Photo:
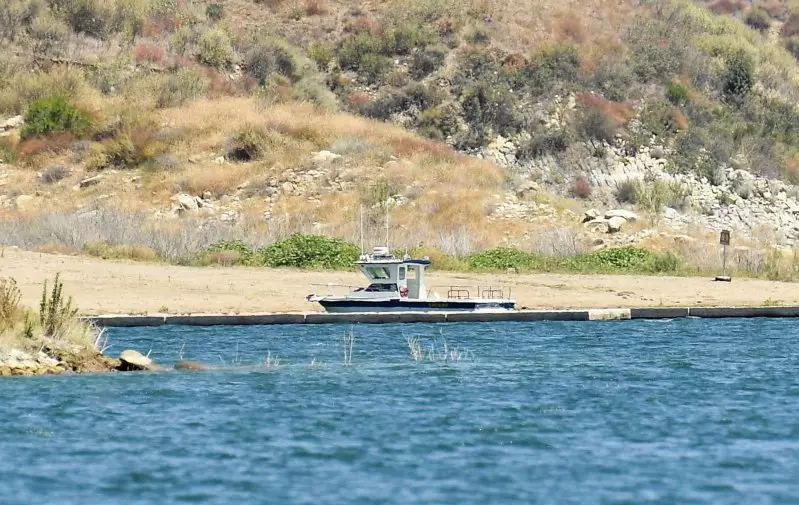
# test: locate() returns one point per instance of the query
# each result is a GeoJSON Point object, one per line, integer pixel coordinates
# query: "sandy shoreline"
{"type": "Point", "coordinates": [110, 287]}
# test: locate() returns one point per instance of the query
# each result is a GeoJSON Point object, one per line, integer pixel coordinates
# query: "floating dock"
{"type": "Point", "coordinates": [123, 320]}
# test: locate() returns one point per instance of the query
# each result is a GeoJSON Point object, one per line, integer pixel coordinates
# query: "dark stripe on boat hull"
{"type": "Point", "coordinates": [418, 306]}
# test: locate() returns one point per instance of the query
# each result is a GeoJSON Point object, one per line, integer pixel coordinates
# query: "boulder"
{"type": "Point", "coordinates": [526, 188]}
{"type": "Point", "coordinates": [590, 215]}
{"type": "Point", "coordinates": [325, 157]}
{"type": "Point", "coordinates": [189, 365]}
{"type": "Point", "coordinates": [187, 202]}
{"type": "Point", "coordinates": [615, 224]}
{"type": "Point", "coordinates": [597, 225]}
{"type": "Point", "coordinates": [133, 360]}
{"type": "Point", "coordinates": [13, 122]}
{"type": "Point", "coordinates": [23, 201]}
{"type": "Point", "coordinates": [91, 181]}
{"type": "Point", "coordinates": [627, 215]}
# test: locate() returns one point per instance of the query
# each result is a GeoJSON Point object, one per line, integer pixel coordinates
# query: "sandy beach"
{"type": "Point", "coordinates": [110, 287]}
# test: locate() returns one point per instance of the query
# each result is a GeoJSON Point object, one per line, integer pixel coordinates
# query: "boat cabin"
{"type": "Point", "coordinates": [388, 274]}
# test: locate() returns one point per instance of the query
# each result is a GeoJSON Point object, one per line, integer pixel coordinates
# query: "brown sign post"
{"type": "Point", "coordinates": [724, 240]}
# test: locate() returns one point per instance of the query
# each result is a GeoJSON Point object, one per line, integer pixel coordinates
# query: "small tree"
{"type": "Point", "coordinates": [55, 312]}
{"type": "Point", "coordinates": [739, 77]}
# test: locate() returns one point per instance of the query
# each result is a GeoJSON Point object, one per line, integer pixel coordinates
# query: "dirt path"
{"type": "Point", "coordinates": [100, 286]}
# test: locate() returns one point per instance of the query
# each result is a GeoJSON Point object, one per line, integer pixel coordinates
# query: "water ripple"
{"type": "Point", "coordinates": [683, 411]}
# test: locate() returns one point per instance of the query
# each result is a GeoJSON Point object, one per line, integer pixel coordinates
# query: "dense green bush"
{"type": "Point", "coordinates": [215, 48]}
{"type": "Point", "coordinates": [55, 114]}
{"type": "Point", "coordinates": [613, 259]}
{"type": "Point", "coordinates": [309, 251]}
{"type": "Point", "coordinates": [738, 78]}
{"type": "Point", "coordinates": [504, 258]}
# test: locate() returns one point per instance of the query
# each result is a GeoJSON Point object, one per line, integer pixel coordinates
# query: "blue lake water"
{"type": "Point", "coordinates": [674, 412]}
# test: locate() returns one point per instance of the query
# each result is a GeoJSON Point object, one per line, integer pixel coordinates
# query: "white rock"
{"type": "Point", "coordinates": [23, 201]}
{"type": "Point", "coordinates": [90, 181]}
{"type": "Point", "coordinates": [13, 122]}
{"type": "Point", "coordinates": [135, 360]}
{"type": "Point", "coordinates": [615, 224]}
{"type": "Point", "coordinates": [325, 157]}
{"type": "Point", "coordinates": [590, 215]}
{"type": "Point", "coordinates": [627, 215]}
{"type": "Point", "coordinates": [597, 226]}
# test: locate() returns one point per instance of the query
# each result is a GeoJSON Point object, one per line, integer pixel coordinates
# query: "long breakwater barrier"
{"type": "Point", "coordinates": [133, 320]}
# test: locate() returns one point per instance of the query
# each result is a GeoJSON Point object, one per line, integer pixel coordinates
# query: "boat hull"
{"type": "Point", "coordinates": [417, 305]}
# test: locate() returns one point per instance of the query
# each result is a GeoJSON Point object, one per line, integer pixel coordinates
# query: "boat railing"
{"type": "Point", "coordinates": [465, 292]}
{"type": "Point", "coordinates": [331, 285]}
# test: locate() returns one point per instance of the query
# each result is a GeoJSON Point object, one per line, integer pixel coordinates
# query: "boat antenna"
{"type": "Point", "coordinates": [387, 218]}
{"type": "Point", "coordinates": [361, 230]}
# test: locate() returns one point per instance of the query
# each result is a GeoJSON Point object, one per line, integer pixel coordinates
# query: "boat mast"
{"type": "Point", "coordinates": [387, 217]}
{"type": "Point", "coordinates": [361, 229]}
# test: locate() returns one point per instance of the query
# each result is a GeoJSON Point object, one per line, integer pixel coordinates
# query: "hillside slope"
{"type": "Point", "coordinates": [256, 119]}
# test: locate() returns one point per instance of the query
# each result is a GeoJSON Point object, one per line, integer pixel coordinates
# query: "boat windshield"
{"type": "Point", "coordinates": [382, 288]}
{"type": "Point", "coordinates": [378, 272]}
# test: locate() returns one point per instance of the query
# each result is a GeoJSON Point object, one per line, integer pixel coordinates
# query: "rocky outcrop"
{"type": "Point", "coordinates": [54, 361]}
{"type": "Point", "coordinates": [131, 360]}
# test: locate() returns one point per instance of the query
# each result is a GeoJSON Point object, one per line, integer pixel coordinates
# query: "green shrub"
{"type": "Point", "coordinates": [395, 101]}
{"type": "Point", "coordinates": [55, 114]}
{"type": "Point", "coordinates": [609, 260]}
{"type": "Point", "coordinates": [8, 153]}
{"type": "Point", "coordinates": [55, 311]}
{"type": "Point", "coordinates": [504, 258]}
{"type": "Point", "coordinates": [426, 61]}
{"type": "Point", "coordinates": [490, 104]}
{"type": "Point", "coordinates": [593, 124]}
{"type": "Point", "coordinates": [738, 78]}
{"type": "Point", "coordinates": [758, 19]}
{"type": "Point", "coordinates": [9, 303]}
{"type": "Point", "coordinates": [657, 51]}
{"type": "Point", "coordinates": [215, 48]}
{"type": "Point", "coordinates": [550, 66]}
{"type": "Point", "coordinates": [262, 60]}
{"type": "Point", "coordinates": [438, 122]}
{"type": "Point", "coordinates": [662, 262]}
{"type": "Point", "coordinates": [310, 251]}
{"type": "Point", "coordinates": [322, 54]}
{"type": "Point", "coordinates": [47, 32]}
{"type": "Point", "coordinates": [181, 87]}
{"type": "Point", "coordinates": [545, 144]}
{"type": "Point", "coordinates": [250, 143]}
{"type": "Point", "coordinates": [182, 39]}
{"type": "Point", "coordinates": [677, 94]}
{"type": "Point", "coordinates": [792, 45]}
{"type": "Point", "coordinates": [215, 12]}
{"type": "Point", "coordinates": [625, 191]}
{"type": "Point", "coordinates": [312, 89]}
